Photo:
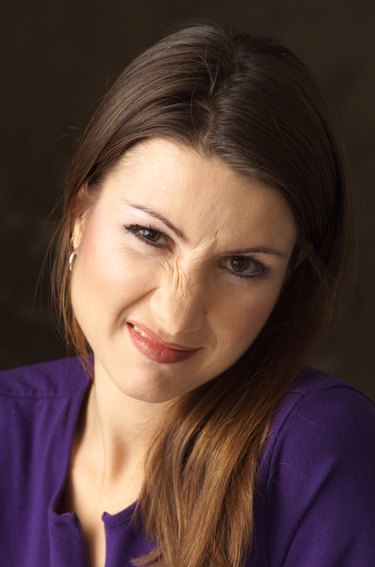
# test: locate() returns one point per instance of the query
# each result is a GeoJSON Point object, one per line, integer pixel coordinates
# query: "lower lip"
{"type": "Point", "coordinates": [158, 352]}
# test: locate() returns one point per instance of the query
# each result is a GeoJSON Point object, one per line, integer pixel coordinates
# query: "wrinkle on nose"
{"type": "Point", "coordinates": [181, 285]}
{"type": "Point", "coordinates": [179, 301]}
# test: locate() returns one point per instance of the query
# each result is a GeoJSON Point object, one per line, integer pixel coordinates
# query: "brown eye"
{"type": "Point", "coordinates": [244, 267]}
{"type": "Point", "coordinates": [150, 234]}
{"type": "Point", "coordinates": [147, 234]}
{"type": "Point", "coordinates": [241, 264]}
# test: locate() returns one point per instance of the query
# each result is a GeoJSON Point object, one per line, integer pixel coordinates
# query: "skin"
{"type": "Point", "coordinates": [184, 287]}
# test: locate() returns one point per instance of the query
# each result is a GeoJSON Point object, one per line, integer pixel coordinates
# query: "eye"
{"type": "Point", "coordinates": [244, 267]}
{"type": "Point", "coordinates": [147, 234]}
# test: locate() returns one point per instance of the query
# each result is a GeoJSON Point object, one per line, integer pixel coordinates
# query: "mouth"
{"type": "Point", "coordinates": [154, 348]}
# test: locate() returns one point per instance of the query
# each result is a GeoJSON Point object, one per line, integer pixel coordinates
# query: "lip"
{"type": "Point", "coordinates": [154, 348]}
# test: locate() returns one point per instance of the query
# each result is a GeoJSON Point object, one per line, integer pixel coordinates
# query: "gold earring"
{"type": "Point", "coordinates": [72, 256]}
{"type": "Point", "coordinates": [71, 260]}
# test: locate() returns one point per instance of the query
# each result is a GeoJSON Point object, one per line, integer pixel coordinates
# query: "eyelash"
{"type": "Point", "coordinates": [261, 269]}
{"type": "Point", "coordinates": [137, 229]}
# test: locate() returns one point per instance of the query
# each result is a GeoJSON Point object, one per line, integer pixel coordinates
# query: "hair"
{"type": "Point", "coordinates": [252, 103]}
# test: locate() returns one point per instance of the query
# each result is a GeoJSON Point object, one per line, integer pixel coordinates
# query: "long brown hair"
{"type": "Point", "coordinates": [252, 103]}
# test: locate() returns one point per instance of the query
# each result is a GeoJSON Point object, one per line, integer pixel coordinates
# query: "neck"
{"type": "Point", "coordinates": [117, 430]}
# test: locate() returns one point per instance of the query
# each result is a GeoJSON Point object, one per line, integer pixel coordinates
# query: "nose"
{"type": "Point", "coordinates": [178, 304]}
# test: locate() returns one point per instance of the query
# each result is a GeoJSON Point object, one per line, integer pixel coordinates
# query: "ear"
{"type": "Point", "coordinates": [78, 228]}
{"type": "Point", "coordinates": [300, 257]}
{"type": "Point", "coordinates": [79, 213]}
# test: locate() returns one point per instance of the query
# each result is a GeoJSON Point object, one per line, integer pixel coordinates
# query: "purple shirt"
{"type": "Point", "coordinates": [315, 498]}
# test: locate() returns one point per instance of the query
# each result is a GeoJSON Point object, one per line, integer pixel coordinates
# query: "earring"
{"type": "Point", "coordinates": [71, 260]}
{"type": "Point", "coordinates": [72, 256]}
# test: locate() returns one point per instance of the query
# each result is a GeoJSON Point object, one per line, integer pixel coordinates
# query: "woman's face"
{"type": "Point", "coordinates": [179, 265]}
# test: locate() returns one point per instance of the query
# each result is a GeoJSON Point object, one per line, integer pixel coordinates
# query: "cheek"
{"type": "Point", "coordinates": [242, 319]}
{"type": "Point", "coordinates": [107, 277]}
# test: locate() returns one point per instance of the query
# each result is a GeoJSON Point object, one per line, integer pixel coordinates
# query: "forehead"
{"type": "Point", "coordinates": [196, 190]}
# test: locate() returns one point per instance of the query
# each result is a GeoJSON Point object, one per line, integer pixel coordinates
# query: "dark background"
{"type": "Point", "coordinates": [58, 59]}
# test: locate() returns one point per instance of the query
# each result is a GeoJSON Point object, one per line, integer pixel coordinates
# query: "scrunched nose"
{"type": "Point", "coordinates": [178, 303]}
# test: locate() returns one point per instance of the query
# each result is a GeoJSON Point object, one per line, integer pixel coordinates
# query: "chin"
{"type": "Point", "coordinates": [149, 389]}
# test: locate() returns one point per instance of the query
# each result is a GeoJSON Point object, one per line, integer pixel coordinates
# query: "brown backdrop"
{"type": "Point", "coordinates": [58, 59]}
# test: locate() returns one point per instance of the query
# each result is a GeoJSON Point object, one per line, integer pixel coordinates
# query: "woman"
{"type": "Point", "coordinates": [202, 249]}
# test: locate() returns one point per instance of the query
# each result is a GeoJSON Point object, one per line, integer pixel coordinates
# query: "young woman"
{"type": "Point", "coordinates": [202, 250]}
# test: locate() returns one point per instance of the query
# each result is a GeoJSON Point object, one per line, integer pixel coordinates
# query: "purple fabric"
{"type": "Point", "coordinates": [315, 499]}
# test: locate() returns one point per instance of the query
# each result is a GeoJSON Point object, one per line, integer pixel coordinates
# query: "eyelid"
{"type": "Point", "coordinates": [135, 229]}
{"type": "Point", "coordinates": [262, 269]}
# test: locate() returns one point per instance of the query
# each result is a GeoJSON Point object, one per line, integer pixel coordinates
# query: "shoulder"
{"type": "Point", "coordinates": [57, 378]}
{"type": "Point", "coordinates": [326, 411]}
{"type": "Point", "coordinates": [36, 399]}
{"type": "Point", "coordinates": [40, 406]}
{"type": "Point", "coordinates": [321, 421]}
{"type": "Point", "coordinates": [318, 475]}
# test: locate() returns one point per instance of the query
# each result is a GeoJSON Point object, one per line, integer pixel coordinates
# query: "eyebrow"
{"type": "Point", "coordinates": [158, 216]}
{"type": "Point", "coordinates": [180, 234]}
{"type": "Point", "coordinates": [257, 249]}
